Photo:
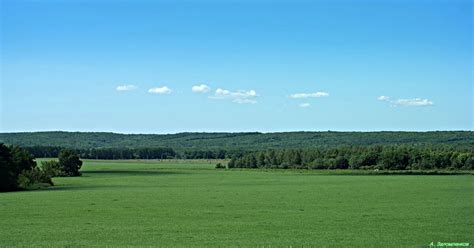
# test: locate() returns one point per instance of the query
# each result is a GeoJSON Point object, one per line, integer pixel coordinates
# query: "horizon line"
{"type": "Point", "coordinates": [238, 132]}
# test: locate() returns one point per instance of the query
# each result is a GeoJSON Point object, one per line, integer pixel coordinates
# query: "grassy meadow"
{"type": "Point", "coordinates": [189, 203]}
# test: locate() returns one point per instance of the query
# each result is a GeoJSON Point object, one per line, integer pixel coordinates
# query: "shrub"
{"type": "Point", "coordinates": [231, 163]}
{"type": "Point", "coordinates": [33, 177]}
{"type": "Point", "coordinates": [318, 164]}
{"type": "Point", "coordinates": [52, 168]}
{"type": "Point", "coordinates": [220, 166]}
{"type": "Point", "coordinates": [284, 165]}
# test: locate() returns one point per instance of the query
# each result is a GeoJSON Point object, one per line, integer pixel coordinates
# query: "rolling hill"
{"type": "Point", "coordinates": [245, 141]}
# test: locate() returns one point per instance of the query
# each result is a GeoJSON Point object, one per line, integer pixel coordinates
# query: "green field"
{"type": "Point", "coordinates": [176, 203]}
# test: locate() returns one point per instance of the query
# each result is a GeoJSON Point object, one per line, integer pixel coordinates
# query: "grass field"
{"type": "Point", "coordinates": [175, 203]}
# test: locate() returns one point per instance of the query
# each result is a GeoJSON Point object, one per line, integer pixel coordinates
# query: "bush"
{"type": "Point", "coordinates": [318, 164]}
{"type": "Point", "coordinates": [284, 165]}
{"type": "Point", "coordinates": [52, 168]}
{"type": "Point", "coordinates": [231, 163]}
{"type": "Point", "coordinates": [35, 176]}
{"type": "Point", "coordinates": [220, 166]}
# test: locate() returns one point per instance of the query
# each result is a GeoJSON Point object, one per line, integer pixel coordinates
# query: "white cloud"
{"type": "Point", "coordinates": [305, 105]}
{"type": "Point", "coordinates": [240, 96]}
{"type": "Point", "coordinates": [128, 87]}
{"type": "Point", "coordinates": [417, 102]}
{"type": "Point", "coordinates": [307, 95]}
{"type": "Point", "coordinates": [200, 88]}
{"type": "Point", "coordinates": [160, 90]}
{"type": "Point", "coordinates": [221, 93]}
{"type": "Point", "coordinates": [412, 102]}
{"type": "Point", "coordinates": [243, 101]}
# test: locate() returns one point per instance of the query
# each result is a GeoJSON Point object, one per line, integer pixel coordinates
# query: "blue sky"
{"type": "Point", "coordinates": [130, 66]}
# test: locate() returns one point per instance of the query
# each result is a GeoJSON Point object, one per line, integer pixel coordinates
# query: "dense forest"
{"type": "Point", "coordinates": [311, 150]}
{"type": "Point", "coordinates": [389, 157]}
{"type": "Point", "coordinates": [198, 142]}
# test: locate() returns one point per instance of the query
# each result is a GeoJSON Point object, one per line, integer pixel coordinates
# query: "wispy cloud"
{"type": "Point", "coordinates": [128, 87]}
{"type": "Point", "coordinates": [244, 101]}
{"type": "Point", "coordinates": [411, 102]}
{"type": "Point", "coordinates": [305, 105]}
{"type": "Point", "coordinates": [160, 90]}
{"type": "Point", "coordinates": [308, 95]}
{"type": "Point", "coordinates": [240, 96]}
{"type": "Point", "coordinates": [200, 88]}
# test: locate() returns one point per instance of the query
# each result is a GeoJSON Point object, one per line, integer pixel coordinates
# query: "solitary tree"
{"type": "Point", "coordinates": [69, 163]}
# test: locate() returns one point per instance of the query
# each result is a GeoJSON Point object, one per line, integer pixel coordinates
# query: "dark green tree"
{"type": "Point", "coordinates": [7, 170]}
{"type": "Point", "coordinates": [22, 160]}
{"type": "Point", "coordinates": [69, 163]}
{"type": "Point", "coordinates": [260, 160]}
{"type": "Point", "coordinates": [18, 169]}
{"type": "Point", "coordinates": [469, 163]}
{"type": "Point", "coordinates": [342, 162]}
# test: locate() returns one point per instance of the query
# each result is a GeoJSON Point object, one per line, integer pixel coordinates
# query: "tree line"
{"type": "Point", "coordinates": [105, 153]}
{"type": "Point", "coordinates": [135, 153]}
{"type": "Point", "coordinates": [19, 170]}
{"type": "Point", "coordinates": [392, 157]}
{"type": "Point", "coordinates": [396, 157]}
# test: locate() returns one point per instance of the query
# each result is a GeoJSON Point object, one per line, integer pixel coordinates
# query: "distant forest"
{"type": "Point", "coordinates": [226, 141]}
{"type": "Point", "coordinates": [244, 146]}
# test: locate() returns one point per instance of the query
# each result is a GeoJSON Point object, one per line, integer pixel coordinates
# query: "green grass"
{"type": "Point", "coordinates": [176, 203]}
